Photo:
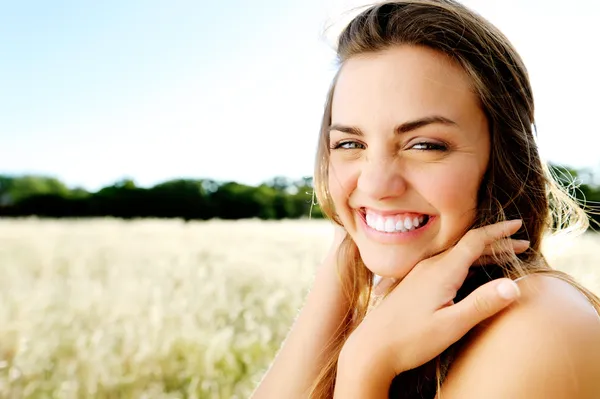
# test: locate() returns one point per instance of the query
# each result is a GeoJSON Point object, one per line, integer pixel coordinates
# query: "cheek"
{"type": "Point", "coordinates": [452, 191]}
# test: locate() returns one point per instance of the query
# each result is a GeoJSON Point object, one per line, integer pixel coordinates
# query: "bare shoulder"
{"type": "Point", "coordinates": [547, 345]}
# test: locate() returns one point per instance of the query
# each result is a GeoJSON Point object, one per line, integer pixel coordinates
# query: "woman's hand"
{"type": "Point", "coordinates": [418, 319]}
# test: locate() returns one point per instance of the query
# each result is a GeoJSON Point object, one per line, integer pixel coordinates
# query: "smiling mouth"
{"type": "Point", "coordinates": [394, 224]}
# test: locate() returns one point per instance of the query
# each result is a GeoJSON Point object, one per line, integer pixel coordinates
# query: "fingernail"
{"type": "Point", "coordinates": [508, 290]}
{"type": "Point", "coordinates": [524, 242]}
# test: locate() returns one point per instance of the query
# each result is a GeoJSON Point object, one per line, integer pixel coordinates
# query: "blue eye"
{"type": "Point", "coordinates": [346, 145]}
{"type": "Point", "coordinates": [429, 147]}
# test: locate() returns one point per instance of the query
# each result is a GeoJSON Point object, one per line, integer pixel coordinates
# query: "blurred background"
{"type": "Point", "coordinates": [156, 178]}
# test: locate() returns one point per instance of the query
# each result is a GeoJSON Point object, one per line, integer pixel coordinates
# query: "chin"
{"type": "Point", "coordinates": [389, 262]}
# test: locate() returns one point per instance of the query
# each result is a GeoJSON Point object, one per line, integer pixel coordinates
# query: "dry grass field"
{"type": "Point", "coordinates": [164, 309]}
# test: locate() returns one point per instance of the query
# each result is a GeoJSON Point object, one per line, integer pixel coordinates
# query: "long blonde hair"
{"type": "Point", "coordinates": [517, 184]}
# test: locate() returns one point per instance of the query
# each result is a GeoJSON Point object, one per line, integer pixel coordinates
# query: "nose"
{"type": "Point", "coordinates": [381, 178]}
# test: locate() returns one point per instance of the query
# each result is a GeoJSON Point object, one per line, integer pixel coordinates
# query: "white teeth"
{"type": "Point", "coordinates": [390, 226]}
{"type": "Point", "coordinates": [393, 223]}
{"type": "Point", "coordinates": [380, 224]}
{"type": "Point", "coordinates": [400, 226]}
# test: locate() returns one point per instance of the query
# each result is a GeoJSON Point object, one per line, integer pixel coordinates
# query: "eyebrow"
{"type": "Point", "coordinates": [403, 128]}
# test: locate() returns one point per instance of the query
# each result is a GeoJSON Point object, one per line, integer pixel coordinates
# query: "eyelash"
{"type": "Point", "coordinates": [339, 144]}
{"type": "Point", "coordinates": [430, 146]}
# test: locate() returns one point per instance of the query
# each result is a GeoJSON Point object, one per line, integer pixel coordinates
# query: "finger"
{"type": "Point", "coordinates": [506, 245]}
{"type": "Point", "coordinates": [470, 248]}
{"type": "Point", "coordinates": [484, 302]}
{"type": "Point", "coordinates": [472, 245]}
{"type": "Point", "coordinates": [493, 251]}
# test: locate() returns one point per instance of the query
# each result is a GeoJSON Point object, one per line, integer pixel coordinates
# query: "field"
{"type": "Point", "coordinates": [164, 309]}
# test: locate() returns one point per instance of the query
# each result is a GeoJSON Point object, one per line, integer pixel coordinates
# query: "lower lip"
{"type": "Point", "coordinates": [395, 237]}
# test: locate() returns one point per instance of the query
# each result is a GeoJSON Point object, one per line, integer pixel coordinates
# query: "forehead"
{"type": "Point", "coordinates": [402, 83]}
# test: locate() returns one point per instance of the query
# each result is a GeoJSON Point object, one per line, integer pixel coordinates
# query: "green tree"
{"type": "Point", "coordinates": [14, 189]}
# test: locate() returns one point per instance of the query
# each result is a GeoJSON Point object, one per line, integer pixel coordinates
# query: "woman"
{"type": "Point", "coordinates": [428, 165]}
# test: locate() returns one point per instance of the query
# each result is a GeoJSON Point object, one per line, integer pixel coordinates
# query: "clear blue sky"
{"type": "Point", "coordinates": [91, 92]}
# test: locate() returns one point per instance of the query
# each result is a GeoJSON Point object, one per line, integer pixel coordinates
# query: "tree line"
{"type": "Point", "coordinates": [189, 199]}
{"type": "Point", "coordinates": [201, 199]}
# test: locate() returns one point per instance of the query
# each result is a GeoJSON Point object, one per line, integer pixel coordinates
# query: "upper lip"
{"type": "Point", "coordinates": [387, 213]}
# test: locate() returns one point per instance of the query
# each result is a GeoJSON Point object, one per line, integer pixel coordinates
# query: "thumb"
{"type": "Point", "coordinates": [382, 285]}
{"type": "Point", "coordinates": [481, 304]}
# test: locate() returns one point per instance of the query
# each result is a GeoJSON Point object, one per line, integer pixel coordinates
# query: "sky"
{"type": "Point", "coordinates": [95, 92]}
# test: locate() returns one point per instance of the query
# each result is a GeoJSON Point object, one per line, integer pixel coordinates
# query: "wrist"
{"type": "Point", "coordinates": [362, 375]}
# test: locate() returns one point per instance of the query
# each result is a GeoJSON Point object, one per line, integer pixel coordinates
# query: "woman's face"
{"type": "Point", "coordinates": [409, 148]}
